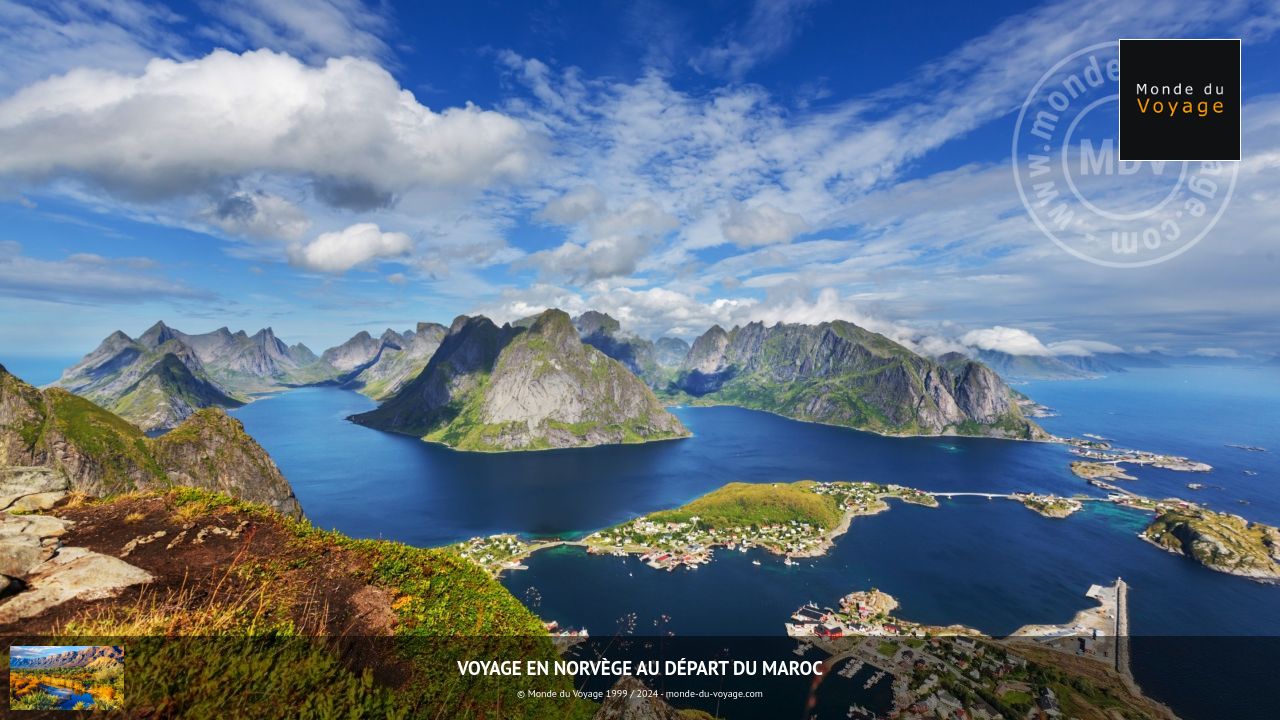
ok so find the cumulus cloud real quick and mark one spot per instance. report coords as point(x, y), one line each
point(1005, 339)
point(574, 206)
point(258, 215)
point(340, 251)
point(762, 224)
point(656, 311)
point(195, 125)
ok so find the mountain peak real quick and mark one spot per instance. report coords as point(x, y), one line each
point(157, 335)
point(510, 388)
point(592, 322)
point(554, 322)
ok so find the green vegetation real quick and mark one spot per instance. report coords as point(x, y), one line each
point(839, 374)
point(756, 505)
point(216, 646)
point(119, 449)
point(493, 389)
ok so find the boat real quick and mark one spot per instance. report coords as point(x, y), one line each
point(755, 562)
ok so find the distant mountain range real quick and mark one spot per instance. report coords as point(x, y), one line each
point(458, 385)
point(379, 368)
point(95, 656)
point(165, 375)
point(1046, 367)
point(528, 386)
point(841, 374)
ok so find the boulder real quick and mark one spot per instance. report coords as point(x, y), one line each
point(31, 488)
point(73, 573)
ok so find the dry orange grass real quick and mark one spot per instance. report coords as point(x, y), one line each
point(21, 684)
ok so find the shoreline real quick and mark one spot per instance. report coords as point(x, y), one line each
point(1051, 440)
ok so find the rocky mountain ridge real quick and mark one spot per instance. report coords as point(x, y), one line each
point(165, 375)
point(839, 373)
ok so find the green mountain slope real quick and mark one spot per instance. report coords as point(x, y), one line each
point(841, 374)
point(516, 388)
point(99, 453)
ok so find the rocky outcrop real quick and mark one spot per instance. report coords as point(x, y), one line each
point(516, 388)
point(27, 489)
point(639, 355)
point(53, 442)
point(39, 573)
point(839, 373)
point(211, 450)
point(670, 352)
point(1219, 541)
point(71, 574)
point(356, 352)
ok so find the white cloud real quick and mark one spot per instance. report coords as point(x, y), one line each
point(762, 224)
point(347, 126)
point(607, 243)
point(1083, 348)
point(85, 278)
point(1005, 339)
point(1216, 352)
point(338, 252)
point(314, 30)
point(770, 28)
point(574, 206)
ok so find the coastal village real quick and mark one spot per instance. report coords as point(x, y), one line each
point(690, 543)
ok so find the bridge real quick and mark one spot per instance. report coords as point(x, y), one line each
point(989, 496)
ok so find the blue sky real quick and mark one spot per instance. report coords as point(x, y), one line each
point(330, 166)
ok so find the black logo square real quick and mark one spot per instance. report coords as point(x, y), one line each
point(1180, 100)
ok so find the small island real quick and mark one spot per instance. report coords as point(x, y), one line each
point(1050, 506)
point(1219, 541)
point(1096, 471)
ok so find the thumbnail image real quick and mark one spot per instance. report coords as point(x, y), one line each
point(66, 677)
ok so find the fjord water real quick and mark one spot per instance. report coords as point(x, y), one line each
point(993, 565)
